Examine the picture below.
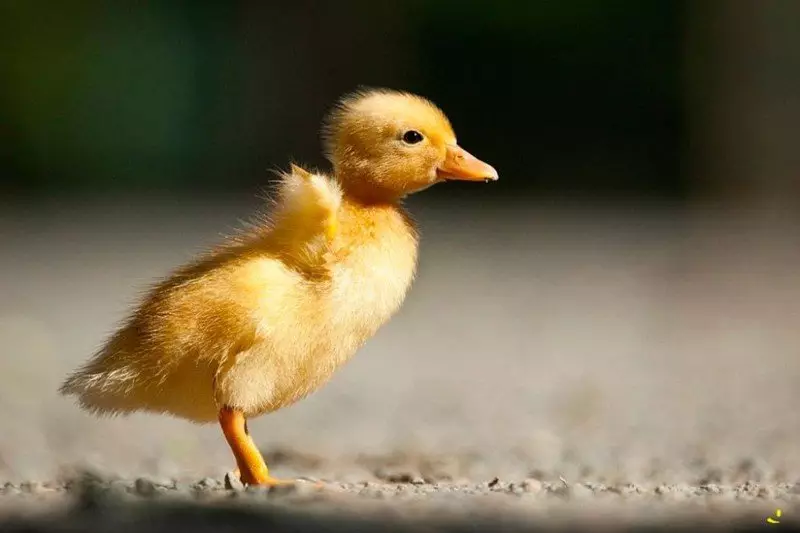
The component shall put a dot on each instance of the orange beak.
(461, 165)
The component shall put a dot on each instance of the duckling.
(266, 317)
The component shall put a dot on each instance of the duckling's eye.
(412, 137)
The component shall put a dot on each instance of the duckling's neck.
(370, 195)
(363, 222)
(376, 248)
(372, 208)
(362, 199)
(360, 187)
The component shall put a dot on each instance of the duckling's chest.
(370, 281)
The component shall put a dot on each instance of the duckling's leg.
(252, 468)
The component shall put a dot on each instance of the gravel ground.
(91, 503)
(612, 368)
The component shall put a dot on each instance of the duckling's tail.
(100, 391)
(107, 384)
(124, 377)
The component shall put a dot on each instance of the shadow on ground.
(170, 517)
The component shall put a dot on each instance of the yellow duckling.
(265, 319)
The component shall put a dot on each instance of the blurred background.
(623, 303)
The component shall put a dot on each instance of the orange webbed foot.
(252, 469)
(275, 482)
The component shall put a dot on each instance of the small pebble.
(596, 487)
(207, 484)
(531, 485)
(166, 483)
(629, 489)
(232, 482)
(144, 487)
(766, 492)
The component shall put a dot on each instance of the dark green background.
(576, 97)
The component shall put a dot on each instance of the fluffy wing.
(305, 217)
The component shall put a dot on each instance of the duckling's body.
(243, 328)
(266, 318)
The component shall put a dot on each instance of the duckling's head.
(386, 144)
